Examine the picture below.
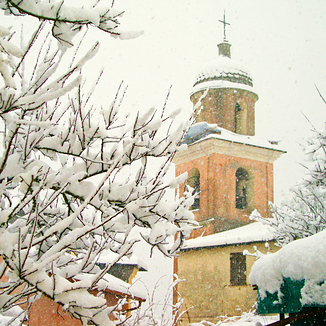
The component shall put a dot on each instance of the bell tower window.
(194, 183)
(240, 119)
(241, 197)
(237, 118)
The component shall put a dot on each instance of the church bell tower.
(230, 171)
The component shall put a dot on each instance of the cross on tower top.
(224, 23)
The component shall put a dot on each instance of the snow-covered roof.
(253, 232)
(223, 72)
(202, 130)
(303, 259)
(112, 284)
(109, 256)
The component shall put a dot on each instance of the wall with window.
(241, 118)
(193, 185)
(197, 170)
(230, 108)
(230, 189)
(216, 281)
(238, 269)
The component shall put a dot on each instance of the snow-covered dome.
(223, 72)
(224, 69)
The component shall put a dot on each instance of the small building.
(216, 272)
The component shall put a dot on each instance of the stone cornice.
(209, 146)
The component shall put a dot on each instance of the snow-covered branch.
(75, 180)
(68, 20)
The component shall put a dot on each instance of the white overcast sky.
(281, 43)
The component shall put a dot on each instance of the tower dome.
(224, 69)
(223, 72)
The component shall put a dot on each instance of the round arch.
(194, 182)
(242, 189)
(240, 118)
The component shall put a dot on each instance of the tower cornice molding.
(216, 87)
(210, 146)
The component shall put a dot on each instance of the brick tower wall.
(218, 194)
(219, 108)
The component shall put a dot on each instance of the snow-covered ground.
(245, 319)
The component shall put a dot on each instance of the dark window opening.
(237, 118)
(194, 183)
(238, 268)
(242, 178)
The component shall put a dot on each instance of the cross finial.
(224, 23)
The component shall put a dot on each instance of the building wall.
(219, 107)
(206, 288)
(46, 312)
(218, 211)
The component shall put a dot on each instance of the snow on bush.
(303, 259)
(159, 309)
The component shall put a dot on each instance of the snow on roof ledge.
(108, 256)
(112, 284)
(253, 232)
(202, 130)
